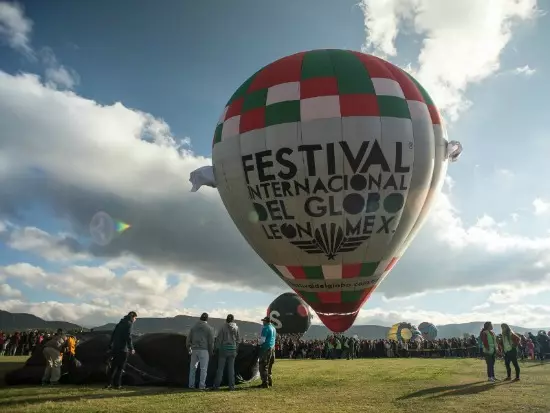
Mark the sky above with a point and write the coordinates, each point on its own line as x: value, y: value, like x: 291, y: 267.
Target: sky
x: 108, y: 106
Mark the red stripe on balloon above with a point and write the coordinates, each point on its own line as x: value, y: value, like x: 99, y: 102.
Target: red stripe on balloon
x: 391, y: 264
x: 297, y: 272
x: 351, y: 270
x: 330, y: 297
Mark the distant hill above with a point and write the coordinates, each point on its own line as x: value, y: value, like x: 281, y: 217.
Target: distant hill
x: 23, y: 321
x: 182, y: 324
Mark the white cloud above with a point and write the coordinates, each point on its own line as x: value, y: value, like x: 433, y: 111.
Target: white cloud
x: 101, y: 292
x: 58, y: 76
x: 522, y: 314
x: 16, y: 31
x: 6, y: 291
x: 461, y: 41
x: 15, y: 28
x: 505, y: 173
x: 517, y: 292
x: 52, y: 247
x: 25, y: 272
x: 541, y: 207
x: 524, y: 70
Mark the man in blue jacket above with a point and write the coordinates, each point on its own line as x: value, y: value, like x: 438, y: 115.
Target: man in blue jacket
x: 267, y: 352
x: 121, y: 344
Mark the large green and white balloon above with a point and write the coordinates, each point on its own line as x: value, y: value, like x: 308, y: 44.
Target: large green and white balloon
x: 328, y: 162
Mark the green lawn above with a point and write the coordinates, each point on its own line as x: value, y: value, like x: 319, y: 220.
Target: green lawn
x: 386, y: 385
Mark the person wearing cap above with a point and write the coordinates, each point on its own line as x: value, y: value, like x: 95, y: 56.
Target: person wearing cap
x: 267, y: 352
x: 53, y: 353
x: 200, y: 344
x: 121, y: 346
x: 227, y: 345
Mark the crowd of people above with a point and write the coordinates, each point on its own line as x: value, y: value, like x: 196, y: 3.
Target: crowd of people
x: 24, y: 343
x: 341, y: 346
x: 203, y: 343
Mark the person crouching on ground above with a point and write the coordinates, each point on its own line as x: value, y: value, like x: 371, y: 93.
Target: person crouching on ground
x: 267, y: 352
x: 489, y: 342
x: 200, y: 344
x: 121, y: 344
x: 510, y: 344
x: 227, y: 346
x: 53, y: 353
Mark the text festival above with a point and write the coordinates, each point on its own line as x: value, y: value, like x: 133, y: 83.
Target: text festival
x: 276, y: 173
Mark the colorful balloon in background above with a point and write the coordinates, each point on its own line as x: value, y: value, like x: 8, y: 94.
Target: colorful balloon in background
x: 289, y: 314
x: 428, y: 330
x: 404, y: 331
x: 328, y: 162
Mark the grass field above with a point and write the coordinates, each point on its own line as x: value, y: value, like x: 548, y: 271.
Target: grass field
x: 369, y: 385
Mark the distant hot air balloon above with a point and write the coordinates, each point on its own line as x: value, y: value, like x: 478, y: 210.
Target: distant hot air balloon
x: 402, y: 332
x: 328, y: 162
x: 289, y: 314
x: 428, y: 330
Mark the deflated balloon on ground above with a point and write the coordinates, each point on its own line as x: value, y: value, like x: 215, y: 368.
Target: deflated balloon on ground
x: 161, y: 359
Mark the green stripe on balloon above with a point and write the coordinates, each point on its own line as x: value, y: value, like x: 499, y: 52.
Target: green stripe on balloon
x: 352, y: 75
x: 317, y: 63
x: 309, y: 297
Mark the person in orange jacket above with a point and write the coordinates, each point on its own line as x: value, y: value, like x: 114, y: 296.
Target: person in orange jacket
x: 510, y: 344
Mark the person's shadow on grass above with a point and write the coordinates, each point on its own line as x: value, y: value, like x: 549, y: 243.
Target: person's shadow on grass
x: 454, y: 390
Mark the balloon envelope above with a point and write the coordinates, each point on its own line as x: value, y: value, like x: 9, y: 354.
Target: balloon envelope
x: 328, y: 162
x: 428, y: 330
x: 403, y: 332
x: 289, y: 314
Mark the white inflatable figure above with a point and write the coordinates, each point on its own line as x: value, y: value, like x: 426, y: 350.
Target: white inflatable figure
x: 202, y: 176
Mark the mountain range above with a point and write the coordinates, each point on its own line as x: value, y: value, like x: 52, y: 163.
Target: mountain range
x: 182, y: 324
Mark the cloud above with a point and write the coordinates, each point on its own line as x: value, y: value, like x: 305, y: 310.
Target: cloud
x: 16, y: 31
x: 541, y: 207
x: 57, y: 75
x: 521, y: 314
x: 51, y: 247
x: 6, y: 291
x: 127, y: 163
x: 505, y: 173
x: 460, y: 45
x: 524, y: 70
x: 507, y: 294
x: 15, y: 28
x: 99, y: 311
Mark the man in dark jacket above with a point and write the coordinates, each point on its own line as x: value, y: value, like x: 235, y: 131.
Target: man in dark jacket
x: 121, y: 344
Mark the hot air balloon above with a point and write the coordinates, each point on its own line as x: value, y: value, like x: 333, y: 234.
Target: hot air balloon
x: 401, y: 332
x: 289, y: 314
x: 328, y: 162
x: 428, y: 330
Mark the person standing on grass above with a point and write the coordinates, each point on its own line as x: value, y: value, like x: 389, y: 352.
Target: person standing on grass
x: 489, y: 341
x: 267, y: 352
x: 200, y: 344
x: 510, y: 344
x: 121, y: 344
x: 227, y: 345
x: 53, y: 353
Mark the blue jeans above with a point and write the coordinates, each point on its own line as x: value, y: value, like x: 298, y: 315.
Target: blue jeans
x: 490, y: 360
x: 226, y: 358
